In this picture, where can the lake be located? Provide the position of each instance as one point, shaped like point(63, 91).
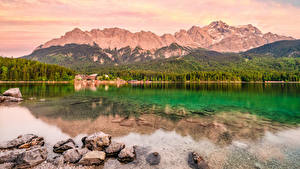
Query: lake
point(231, 125)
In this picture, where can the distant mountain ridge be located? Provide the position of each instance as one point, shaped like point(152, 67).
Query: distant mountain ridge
point(285, 48)
point(217, 36)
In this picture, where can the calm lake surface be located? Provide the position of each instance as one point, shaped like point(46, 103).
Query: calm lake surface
point(231, 125)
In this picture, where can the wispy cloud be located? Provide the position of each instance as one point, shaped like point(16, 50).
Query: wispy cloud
point(52, 18)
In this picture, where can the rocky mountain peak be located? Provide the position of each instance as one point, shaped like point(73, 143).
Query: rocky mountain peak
point(217, 36)
point(218, 24)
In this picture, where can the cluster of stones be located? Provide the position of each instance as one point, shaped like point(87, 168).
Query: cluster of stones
point(27, 151)
point(24, 151)
point(96, 148)
point(11, 95)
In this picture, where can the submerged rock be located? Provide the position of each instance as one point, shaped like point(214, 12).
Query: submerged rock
point(195, 161)
point(13, 92)
point(93, 158)
point(72, 155)
point(31, 157)
point(97, 141)
point(126, 155)
point(153, 158)
point(114, 148)
point(23, 141)
point(63, 146)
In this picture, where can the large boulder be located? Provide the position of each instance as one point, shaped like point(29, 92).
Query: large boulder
point(153, 158)
point(126, 155)
point(13, 92)
point(93, 158)
point(31, 157)
point(10, 156)
point(72, 156)
point(195, 161)
point(63, 146)
point(114, 148)
point(97, 141)
point(23, 141)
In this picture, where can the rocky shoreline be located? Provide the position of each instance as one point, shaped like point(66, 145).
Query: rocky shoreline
point(29, 151)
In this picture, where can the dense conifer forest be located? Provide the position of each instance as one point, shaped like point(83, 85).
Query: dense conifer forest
point(27, 70)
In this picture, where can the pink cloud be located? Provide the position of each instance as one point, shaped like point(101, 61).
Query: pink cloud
point(52, 18)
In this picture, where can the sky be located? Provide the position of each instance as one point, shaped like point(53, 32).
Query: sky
point(26, 24)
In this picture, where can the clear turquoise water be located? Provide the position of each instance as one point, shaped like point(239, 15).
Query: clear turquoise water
point(246, 123)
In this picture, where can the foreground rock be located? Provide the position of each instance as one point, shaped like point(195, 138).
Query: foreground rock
point(97, 141)
point(23, 141)
point(32, 157)
point(72, 156)
point(114, 148)
point(10, 156)
point(126, 155)
point(195, 161)
point(21, 158)
point(93, 158)
point(13, 92)
point(153, 158)
point(63, 146)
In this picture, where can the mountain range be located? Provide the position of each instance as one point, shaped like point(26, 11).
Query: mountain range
point(217, 36)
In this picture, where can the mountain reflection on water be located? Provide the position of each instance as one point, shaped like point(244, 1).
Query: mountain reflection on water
point(231, 125)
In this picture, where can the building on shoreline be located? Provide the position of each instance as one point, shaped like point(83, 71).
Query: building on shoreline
point(86, 77)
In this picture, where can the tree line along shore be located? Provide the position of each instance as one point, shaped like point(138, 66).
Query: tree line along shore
point(23, 70)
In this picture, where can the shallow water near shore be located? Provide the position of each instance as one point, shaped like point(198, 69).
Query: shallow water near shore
point(230, 125)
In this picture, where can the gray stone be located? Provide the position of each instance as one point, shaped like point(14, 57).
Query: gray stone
point(153, 158)
point(97, 141)
point(63, 146)
point(19, 141)
point(195, 161)
point(13, 92)
point(93, 158)
point(258, 166)
point(31, 157)
point(114, 148)
point(126, 155)
point(72, 155)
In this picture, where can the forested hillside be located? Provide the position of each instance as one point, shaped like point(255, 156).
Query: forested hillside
point(198, 67)
point(286, 48)
point(22, 69)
